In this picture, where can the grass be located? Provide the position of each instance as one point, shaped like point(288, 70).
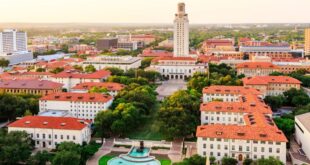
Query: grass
point(104, 160)
point(149, 130)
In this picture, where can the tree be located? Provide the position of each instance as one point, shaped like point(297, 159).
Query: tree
point(66, 157)
point(27, 113)
point(193, 160)
point(67, 153)
point(274, 102)
point(98, 90)
point(286, 125)
point(229, 161)
point(146, 62)
point(4, 63)
point(57, 70)
point(40, 158)
point(179, 108)
point(247, 161)
point(115, 71)
point(15, 147)
point(295, 97)
point(269, 161)
point(90, 69)
point(78, 67)
point(40, 70)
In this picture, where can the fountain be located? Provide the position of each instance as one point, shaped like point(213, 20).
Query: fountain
point(139, 155)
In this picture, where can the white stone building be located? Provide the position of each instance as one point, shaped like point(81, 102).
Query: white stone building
point(13, 46)
point(236, 123)
point(71, 79)
point(123, 62)
point(47, 132)
point(302, 136)
point(79, 105)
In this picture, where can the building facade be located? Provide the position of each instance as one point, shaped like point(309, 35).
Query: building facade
point(181, 32)
point(29, 86)
point(79, 105)
point(236, 123)
point(302, 135)
point(307, 41)
point(250, 69)
point(112, 88)
point(106, 43)
point(122, 62)
point(271, 85)
point(47, 132)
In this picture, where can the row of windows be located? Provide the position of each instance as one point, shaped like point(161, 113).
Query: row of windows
point(234, 155)
point(247, 141)
point(49, 136)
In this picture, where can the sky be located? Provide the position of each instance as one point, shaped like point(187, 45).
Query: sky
point(154, 11)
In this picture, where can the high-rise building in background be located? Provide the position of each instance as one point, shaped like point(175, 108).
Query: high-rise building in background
point(12, 40)
point(307, 41)
point(181, 32)
point(13, 46)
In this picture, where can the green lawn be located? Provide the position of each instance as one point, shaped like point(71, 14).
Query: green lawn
point(104, 160)
point(150, 129)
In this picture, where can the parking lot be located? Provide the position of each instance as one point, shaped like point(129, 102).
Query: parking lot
point(167, 88)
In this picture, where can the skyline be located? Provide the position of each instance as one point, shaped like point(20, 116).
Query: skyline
point(160, 11)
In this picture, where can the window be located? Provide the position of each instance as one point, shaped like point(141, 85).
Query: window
point(43, 136)
point(219, 146)
point(226, 147)
point(38, 136)
point(49, 136)
point(240, 148)
point(278, 150)
point(211, 146)
point(73, 137)
point(270, 150)
point(68, 137)
point(61, 136)
point(218, 154)
point(55, 136)
point(247, 148)
point(38, 142)
point(204, 145)
point(211, 153)
point(233, 147)
point(204, 153)
point(255, 156)
point(262, 149)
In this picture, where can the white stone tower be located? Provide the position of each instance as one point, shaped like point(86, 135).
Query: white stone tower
point(181, 32)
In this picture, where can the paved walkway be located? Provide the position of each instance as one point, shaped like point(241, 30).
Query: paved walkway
point(175, 153)
point(105, 149)
point(169, 87)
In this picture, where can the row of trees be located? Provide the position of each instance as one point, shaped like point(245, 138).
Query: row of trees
point(219, 75)
point(292, 97)
point(127, 112)
point(16, 148)
point(13, 106)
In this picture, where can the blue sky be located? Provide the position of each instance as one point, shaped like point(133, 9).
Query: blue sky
point(154, 11)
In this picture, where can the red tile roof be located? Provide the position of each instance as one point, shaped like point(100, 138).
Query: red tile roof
point(29, 84)
point(239, 90)
point(45, 122)
point(254, 65)
point(96, 75)
point(264, 80)
point(78, 97)
point(111, 86)
point(240, 132)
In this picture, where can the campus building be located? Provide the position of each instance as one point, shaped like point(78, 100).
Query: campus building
point(181, 32)
point(29, 86)
point(47, 132)
point(71, 79)
point(122, 62)
point(79, 105)
point(250, 69)
point(235, 122)
point(271, 85)
point(307, 41)
point(112, 88)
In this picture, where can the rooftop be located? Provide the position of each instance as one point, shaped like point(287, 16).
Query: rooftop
point(45, 122)
point(264, 80)
point(240, 90)
point(78, 97)
point(96, 75)
point(254, 65)
point(29, 84)
point(304, 119)
point(111, 86)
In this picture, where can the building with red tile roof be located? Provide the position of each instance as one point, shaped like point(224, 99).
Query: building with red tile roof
point(250, 69)
point(79, 105)
point(112, 87)
point(155, 53)
point(26, 75)
point(212, 45)
point(72, 78)
point(235, 122)
point(29, 86)
point(47, 132)
point(271, 85)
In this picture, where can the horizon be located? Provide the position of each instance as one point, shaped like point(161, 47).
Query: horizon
point(140, 12)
